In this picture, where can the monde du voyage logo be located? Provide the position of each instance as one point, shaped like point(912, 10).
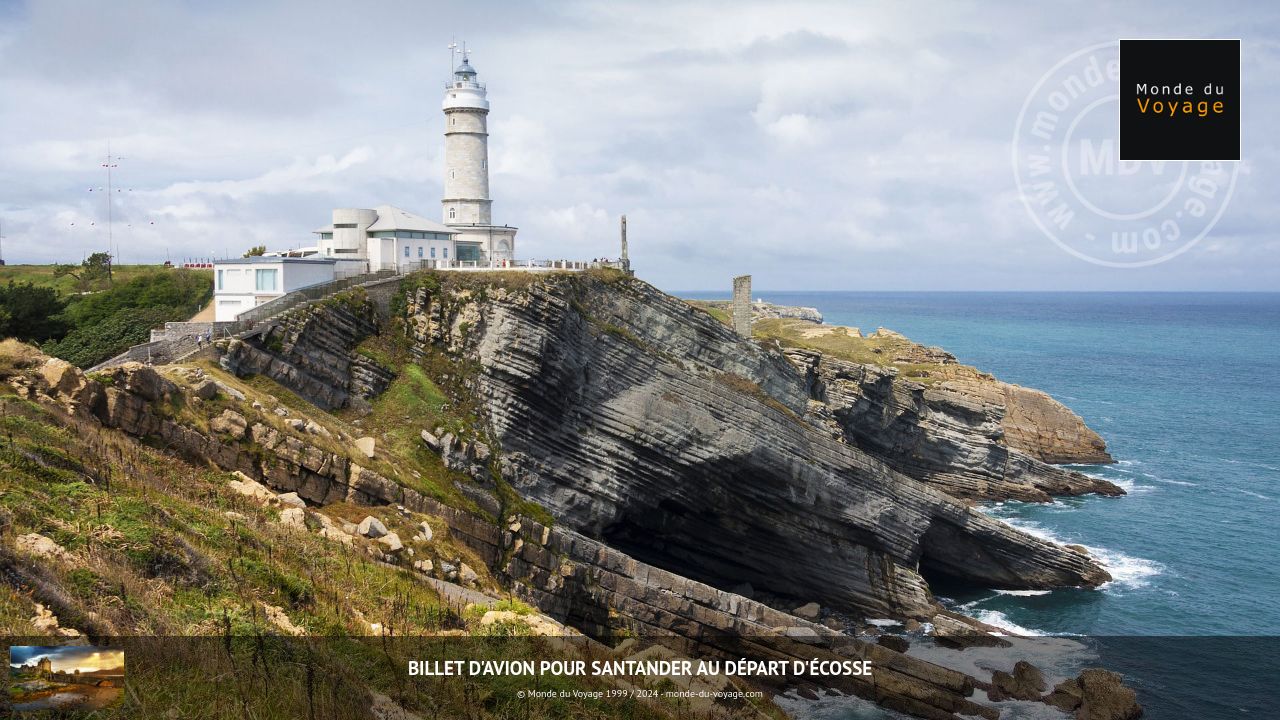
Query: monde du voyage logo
point(1124, 151)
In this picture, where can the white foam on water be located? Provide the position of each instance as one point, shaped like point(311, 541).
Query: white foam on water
point(884, 623)
point(1002, 621)
point(1264, 466)
point(1260, 496)
point(1126, 571)
point(1129, 486)
point(1024, 593)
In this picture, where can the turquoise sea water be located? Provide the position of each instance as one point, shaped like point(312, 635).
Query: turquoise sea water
point(1185, 388)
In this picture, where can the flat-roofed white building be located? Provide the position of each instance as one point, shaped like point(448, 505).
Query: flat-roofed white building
point(389, 238)
point(245, 283)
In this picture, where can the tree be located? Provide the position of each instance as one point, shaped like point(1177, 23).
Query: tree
point(30, 313)
point(94, 269)
point(256, 251)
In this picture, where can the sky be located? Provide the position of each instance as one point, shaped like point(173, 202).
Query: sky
point(814, 145)
point(68, 658)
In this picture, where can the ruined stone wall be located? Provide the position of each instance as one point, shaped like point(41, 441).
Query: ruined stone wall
point(741, 305)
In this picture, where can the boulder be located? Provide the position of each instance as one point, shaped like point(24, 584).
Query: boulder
point(146, 382)
point(535, 624)
point(431, 440)
point(466, 575)
point(291, 499)
point(1026, 682)
point(293, 517)
point(424, 531)
point(809, 611)
point(230, 423)
point(251, 488)
point(228, 390)
point(1104, 697)
point(392, 542)
point(1066, 696)
point(206, 390)
point(423, 566)
point(371, 527)
point(41, 546)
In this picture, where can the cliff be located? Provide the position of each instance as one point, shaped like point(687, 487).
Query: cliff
point(640, 421)
point(1025, 420)
point(603, 451)
point(300, 519)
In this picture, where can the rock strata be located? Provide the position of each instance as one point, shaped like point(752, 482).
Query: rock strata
point(311, 351)
point(950, 434)
point(631, 416)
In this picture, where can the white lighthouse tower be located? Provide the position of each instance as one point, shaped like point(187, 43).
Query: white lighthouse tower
point(466, 204)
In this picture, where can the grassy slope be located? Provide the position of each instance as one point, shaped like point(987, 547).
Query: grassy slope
point(151, 550)
point(42, 276)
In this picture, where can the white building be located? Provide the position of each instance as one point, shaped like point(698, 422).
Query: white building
point(246, 283)
point(387, 238)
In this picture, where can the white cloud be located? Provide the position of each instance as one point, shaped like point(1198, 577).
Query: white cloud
point(752, 137)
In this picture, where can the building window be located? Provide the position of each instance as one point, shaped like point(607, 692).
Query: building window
point(265, 280)
point(453, 121)
point(326, 236)
point(345, 225)
point(433, 253)
point(452, 175)
point(406, 251)
point(419, 251)
point(453, 213)
point(219, 279)
point(446, 253)
point(484, 164)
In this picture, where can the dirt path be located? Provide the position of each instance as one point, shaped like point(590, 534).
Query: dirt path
point(206, 314)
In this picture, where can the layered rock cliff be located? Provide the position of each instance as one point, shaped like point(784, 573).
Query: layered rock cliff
point(676, 459)
point(1023, 419)
point(638, 420)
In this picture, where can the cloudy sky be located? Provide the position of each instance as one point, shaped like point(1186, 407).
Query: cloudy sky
point(67, 658)
point(815, 145)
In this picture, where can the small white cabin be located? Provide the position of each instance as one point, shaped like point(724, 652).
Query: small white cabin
point(245, 283)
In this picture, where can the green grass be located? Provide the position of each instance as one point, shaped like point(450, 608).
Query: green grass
point(718, 309)
point(42, 276)
point(152, 553)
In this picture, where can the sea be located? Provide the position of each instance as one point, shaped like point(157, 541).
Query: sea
point(1185, 389)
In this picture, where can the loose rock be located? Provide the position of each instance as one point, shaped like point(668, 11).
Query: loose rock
point(371, 527)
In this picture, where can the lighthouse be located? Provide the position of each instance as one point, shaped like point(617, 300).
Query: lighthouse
point(466, 205)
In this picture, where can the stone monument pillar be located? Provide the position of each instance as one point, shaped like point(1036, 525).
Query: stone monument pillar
point(742, 305)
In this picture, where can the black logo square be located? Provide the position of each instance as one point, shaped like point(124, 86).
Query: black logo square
point(1179, 99)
